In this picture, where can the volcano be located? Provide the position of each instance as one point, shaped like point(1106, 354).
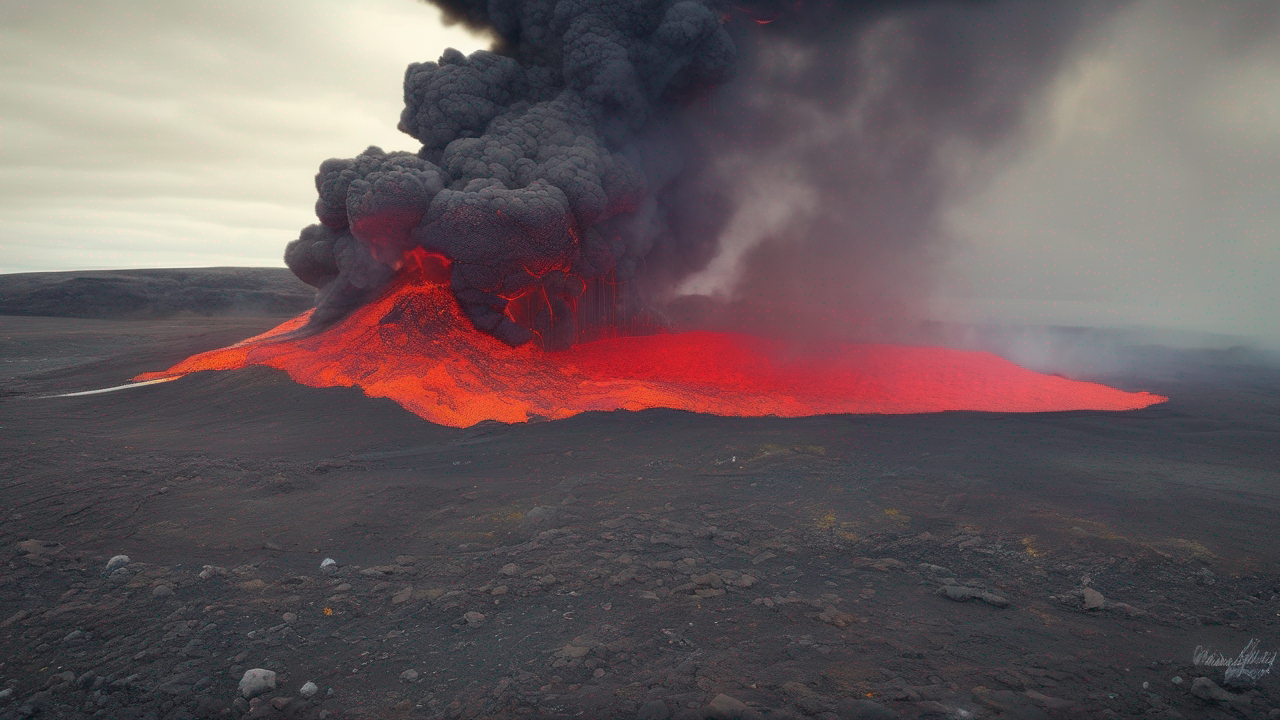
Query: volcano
point(414, 345)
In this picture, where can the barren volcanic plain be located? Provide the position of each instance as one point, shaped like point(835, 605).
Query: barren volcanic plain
point(654, 564)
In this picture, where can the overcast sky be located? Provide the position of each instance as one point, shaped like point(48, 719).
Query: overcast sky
point(166, 133)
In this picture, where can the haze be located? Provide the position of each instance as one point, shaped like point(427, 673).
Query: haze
point(178, 134)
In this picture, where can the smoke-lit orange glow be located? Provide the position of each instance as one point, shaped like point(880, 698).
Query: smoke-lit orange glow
point(414, 346)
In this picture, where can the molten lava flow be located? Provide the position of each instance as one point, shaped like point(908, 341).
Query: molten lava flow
point(414, 346)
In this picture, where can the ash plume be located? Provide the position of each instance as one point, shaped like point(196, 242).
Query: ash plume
point(607, 144)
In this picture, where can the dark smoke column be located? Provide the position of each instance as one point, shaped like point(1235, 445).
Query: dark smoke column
point(553, 162)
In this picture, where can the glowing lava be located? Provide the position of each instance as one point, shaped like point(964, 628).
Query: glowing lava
point(414, 346)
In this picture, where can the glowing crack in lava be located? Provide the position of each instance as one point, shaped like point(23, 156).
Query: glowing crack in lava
point(414, 346)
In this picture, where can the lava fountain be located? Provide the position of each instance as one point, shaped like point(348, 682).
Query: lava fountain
point(413, 345)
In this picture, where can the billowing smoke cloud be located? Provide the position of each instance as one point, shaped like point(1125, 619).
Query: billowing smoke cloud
point(600, 144)
point(552, 164)
point(848, 128)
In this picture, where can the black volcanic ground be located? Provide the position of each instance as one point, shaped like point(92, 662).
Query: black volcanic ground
point(613, 565)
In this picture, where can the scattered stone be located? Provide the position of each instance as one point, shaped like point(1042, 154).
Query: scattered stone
point(402, 596)
point(409, 675)
point(211, 571)
point(289, 617)
point(1006, 703)
point(745, 581)
point(1049, 703)
point(161, 591)
point(763, 557)
point(576, 651)
point(1177, 680)
point(963, 593)
point(117, 562)
point(509, 569)
point(853, 709)
point(724, 707)
point(882, 564)
point(499, 590)
point(539, 513)
point(833, 616)
point(473, 619)
point(328, 563)
point(1206, 689)
point(653, 710)
point(1093, 600)
point(7, 693)
point(308, 689)
point(256, 682)
point(39, 548)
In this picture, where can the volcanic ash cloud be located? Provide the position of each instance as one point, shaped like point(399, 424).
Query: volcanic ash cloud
point(545, 166)
point(578, 175)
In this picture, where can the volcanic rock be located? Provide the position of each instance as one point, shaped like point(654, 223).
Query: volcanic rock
point(850, 709)
point(257, 681)
point(1206, 689)
point(724, 707)
point(963, 593)
point(653, 710)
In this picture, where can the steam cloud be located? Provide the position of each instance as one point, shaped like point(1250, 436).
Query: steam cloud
point(608, 141)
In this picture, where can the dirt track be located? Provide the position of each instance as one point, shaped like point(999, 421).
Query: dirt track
point(625, 562)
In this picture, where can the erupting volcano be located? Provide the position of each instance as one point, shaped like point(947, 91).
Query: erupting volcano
point(413, 345)
point(572, 179)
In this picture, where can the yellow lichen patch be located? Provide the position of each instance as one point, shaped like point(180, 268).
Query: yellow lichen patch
point(895, 516)
point(769, 450)
point(1170, 547)
point(826, 522)
point(507, 516)
point(1028, 546)
point(328, 611)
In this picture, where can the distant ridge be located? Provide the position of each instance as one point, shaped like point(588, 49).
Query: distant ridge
point(117, 294)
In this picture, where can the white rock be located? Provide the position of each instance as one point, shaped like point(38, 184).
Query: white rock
point(327, 562)
point(409, 675)
point(1093, 600)
point(118, 561)
point(308, 689)
point(257, 681)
